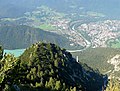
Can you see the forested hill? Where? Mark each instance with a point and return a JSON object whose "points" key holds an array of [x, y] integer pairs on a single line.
{"points": [[47, 67], [20, 36]]}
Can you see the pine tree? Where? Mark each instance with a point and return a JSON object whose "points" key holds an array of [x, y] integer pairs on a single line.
{"points": [[74, 89], [58, 85], [56, 63], [51, 83], [37, 84]]}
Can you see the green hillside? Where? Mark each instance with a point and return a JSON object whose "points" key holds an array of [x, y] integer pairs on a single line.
{"points": [[47, 67], [98, 58], [21, 36]]}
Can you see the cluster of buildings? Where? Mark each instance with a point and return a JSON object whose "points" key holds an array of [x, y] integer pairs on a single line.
{"points": [[101, 31]]}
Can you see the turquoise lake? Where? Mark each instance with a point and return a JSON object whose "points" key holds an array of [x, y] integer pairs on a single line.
{"points": [[16, 52]]}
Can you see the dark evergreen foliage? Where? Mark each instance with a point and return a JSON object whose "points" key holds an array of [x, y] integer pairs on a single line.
{"points": [[1, 52], [47, 67]]}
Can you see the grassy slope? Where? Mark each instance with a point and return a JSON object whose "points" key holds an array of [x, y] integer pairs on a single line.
{"points": [[97, 58]]}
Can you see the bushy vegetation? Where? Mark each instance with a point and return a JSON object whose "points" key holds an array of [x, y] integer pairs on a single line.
{"points": [[47, 67], [113, 85]]}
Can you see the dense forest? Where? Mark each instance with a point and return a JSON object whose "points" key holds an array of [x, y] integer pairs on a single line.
{"points": [[47, 67]]}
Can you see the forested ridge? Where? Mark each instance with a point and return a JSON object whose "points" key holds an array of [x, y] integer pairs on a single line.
{"points": [[47, 67]]}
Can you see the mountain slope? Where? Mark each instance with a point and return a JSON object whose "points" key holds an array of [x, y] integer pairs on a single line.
{"points": [[107, 60], [20, 36], [15, 8], [48, 67]]}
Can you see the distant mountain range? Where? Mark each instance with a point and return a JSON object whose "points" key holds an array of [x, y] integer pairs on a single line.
{"points": [[15, 8]]}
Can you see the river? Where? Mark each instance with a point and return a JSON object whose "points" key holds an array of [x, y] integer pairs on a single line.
{"points": [[73, 28]]}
